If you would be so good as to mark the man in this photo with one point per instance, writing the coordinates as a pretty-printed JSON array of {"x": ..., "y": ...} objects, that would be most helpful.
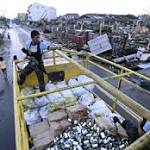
[
  {"x": 132, "y": 131},
  {"x": 3, "y": 67},
  {"x": 144, "y": 126},
  {"x": 34, "y": 50}
]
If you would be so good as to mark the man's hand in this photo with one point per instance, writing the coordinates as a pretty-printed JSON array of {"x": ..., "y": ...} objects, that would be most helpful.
[
  {"x": 26, "y": 52},
  {"x": 23, "y": 50},
  {"x": 116, "y": 119}
]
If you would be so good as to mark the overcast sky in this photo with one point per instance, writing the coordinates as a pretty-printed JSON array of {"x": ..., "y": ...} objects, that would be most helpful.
[{"x": 10, "y": 8}]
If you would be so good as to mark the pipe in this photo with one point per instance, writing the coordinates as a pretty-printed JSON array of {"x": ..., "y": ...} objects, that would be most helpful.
[{"x": 124, "y": 58}]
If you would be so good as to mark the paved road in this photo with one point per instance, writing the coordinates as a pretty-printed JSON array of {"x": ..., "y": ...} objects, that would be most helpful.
[{"x": 7, "y": 50}]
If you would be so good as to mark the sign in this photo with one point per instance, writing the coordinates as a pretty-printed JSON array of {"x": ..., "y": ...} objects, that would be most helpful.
[{"x": 99, "y": 44}]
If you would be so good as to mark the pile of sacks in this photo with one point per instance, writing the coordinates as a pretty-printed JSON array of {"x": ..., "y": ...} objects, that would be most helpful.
[{"x": 39, "y": 107}]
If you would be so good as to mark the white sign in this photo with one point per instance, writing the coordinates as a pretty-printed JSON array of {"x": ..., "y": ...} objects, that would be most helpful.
[{"x": 99, "y": 44}]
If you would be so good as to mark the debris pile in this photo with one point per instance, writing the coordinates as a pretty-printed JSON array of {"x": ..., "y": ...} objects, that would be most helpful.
[{"x": 87, "y": 135}]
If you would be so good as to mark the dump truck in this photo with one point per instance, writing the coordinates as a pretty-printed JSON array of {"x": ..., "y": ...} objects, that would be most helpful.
[{"x": 39, "y": 133}]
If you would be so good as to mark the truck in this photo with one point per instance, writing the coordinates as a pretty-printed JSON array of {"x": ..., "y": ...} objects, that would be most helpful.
[{"x": 60, "y": 67}]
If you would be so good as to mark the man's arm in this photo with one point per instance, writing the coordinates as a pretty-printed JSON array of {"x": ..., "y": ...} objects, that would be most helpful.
[
  {"x": 25, "y": 49},
  {"x": 27, "y": 52}
]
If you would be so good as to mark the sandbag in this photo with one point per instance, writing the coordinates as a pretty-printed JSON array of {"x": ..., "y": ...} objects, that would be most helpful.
[
  {"x": 44, "y": 111},
  {"x": 79, "y": 90},
  {"x": 99, "y": 108},
  {"x": 86, "y": 99},
  {"x": 65, "y": 93},
  {"x": 85, "y": 79},
  {"x": 41, "y": 101},
  {"x": 53, "y": 96},
  {"x": 32, "y": 116},
  {"x": 28, "y": 102}
]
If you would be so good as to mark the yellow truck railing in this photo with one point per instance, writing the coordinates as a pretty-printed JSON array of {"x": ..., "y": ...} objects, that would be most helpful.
[{"x": 120, "y": 99}]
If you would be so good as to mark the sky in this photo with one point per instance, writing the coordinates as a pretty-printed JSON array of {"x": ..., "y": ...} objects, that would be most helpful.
[{"x": 10, "y": 8}]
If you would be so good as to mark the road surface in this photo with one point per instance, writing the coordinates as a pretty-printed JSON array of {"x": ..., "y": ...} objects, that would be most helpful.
[{"x": 7, "y": 50}]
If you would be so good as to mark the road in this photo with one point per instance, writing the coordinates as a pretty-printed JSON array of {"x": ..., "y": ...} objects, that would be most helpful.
[
  {"x": 7, "y": 50},
  {"x": 19, "y": 37}
]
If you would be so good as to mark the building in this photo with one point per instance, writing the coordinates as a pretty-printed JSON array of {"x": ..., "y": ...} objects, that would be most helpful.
[
  {"x": 37, "y": 12},
  {"x": 70, "y": 16},
  {"x": 22, "y": 17}
]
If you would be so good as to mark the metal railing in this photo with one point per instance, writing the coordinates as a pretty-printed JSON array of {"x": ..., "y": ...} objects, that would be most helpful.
[{"x": 118, "y": 98}]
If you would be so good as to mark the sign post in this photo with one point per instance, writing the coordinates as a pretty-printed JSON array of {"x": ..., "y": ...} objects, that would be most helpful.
[{"x": 99, "y": 44}]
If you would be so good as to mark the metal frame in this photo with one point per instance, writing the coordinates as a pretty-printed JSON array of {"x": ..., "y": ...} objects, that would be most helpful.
[
  {"x": 119, "y": 98},
  {"x": 140, "y": 143},
  {"x": 139, "y": 109}
]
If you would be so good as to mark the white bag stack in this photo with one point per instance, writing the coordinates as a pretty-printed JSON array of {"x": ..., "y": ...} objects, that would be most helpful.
[
  {"x": 41, "y": 101},
  {"x": 32, "y": 116},
  {"x": 86, "y": 99},
  {"x": 53, "y": 96},
  {"x": 76, "y": 91},
  {"x": 66, "y": 93},
  {"x": 99, "y": 108},
  {"x": 28, "y": 102},
  {"x": 44, "y": 111},
  {"x": 85, "y": 79}
]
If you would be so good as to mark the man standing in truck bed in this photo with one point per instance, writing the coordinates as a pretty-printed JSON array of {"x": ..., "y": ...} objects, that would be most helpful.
[{"x": 34, "y": 50}]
